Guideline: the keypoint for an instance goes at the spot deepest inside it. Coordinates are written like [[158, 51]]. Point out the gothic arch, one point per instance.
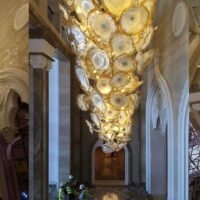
[[183, 137], [17, 80], [13, 84], [160, 82], [149, 104], [127, 162]]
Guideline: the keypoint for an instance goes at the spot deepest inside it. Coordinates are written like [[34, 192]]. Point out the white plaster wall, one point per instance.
[[53, 123]]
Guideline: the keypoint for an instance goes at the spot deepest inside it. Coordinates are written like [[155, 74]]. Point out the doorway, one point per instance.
[[110, 166], [110, 169]]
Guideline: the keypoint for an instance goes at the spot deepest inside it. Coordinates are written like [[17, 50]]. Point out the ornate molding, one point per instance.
[[183, 137], [159, 111], [170, 123], [22, 17], [14, 84], [166, 118], [179, 19], [17, 80]]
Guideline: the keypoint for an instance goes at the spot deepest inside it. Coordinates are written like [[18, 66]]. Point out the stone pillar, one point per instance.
[[64, 119], [41, 53], [75, 126]]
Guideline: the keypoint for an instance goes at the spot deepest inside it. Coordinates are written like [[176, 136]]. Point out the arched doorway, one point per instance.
[[110, 169], [109, 166]]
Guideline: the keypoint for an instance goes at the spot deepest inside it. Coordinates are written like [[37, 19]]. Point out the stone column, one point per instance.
[[41, 53], [75, 123]]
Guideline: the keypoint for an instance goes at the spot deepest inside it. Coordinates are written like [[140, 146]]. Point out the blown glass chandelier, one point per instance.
[[110, 40]]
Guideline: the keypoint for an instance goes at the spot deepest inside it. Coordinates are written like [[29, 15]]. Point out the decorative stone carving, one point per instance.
[[41, 54], [22, 17], [159, 111], [17, 80], [179, 18], [155, 109], [40, 62]]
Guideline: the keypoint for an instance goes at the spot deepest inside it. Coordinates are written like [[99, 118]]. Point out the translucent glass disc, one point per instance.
[[122, 44], [83, 7], [98, 59], [134, 19], [116, 7], [98, 101], [119, 101], [80, 72], [120, 79], [82, 104], [124, 63], [123, 117], [76, 38], [110, 113], [103, 85], [101, 25]]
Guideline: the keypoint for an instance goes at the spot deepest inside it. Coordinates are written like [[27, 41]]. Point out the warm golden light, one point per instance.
[[110, 196], [110, 38]]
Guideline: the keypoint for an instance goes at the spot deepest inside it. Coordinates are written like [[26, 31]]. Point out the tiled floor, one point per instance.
[[117, 193]]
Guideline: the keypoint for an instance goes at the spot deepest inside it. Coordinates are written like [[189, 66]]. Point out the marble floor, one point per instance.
[[117, 193], [111, 193]]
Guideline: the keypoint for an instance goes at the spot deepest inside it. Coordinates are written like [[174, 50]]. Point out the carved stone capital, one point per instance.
[[41, 54], [40, 61]]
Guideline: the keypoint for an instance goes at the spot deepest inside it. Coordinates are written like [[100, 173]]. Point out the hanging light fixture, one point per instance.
[[110, 38]]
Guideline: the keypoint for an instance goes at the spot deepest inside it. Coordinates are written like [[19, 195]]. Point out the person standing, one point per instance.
[[83, 193], [62, 192], [70, 188]]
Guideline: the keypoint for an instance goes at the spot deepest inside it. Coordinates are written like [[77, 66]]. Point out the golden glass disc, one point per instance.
[[116, 7], [103, 85], [120, 79], [119, 101], [82, 8], [134, 19], [98, 59], [110, 113], [123, 117], [101, 25], [124, 63], [122, 44]]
